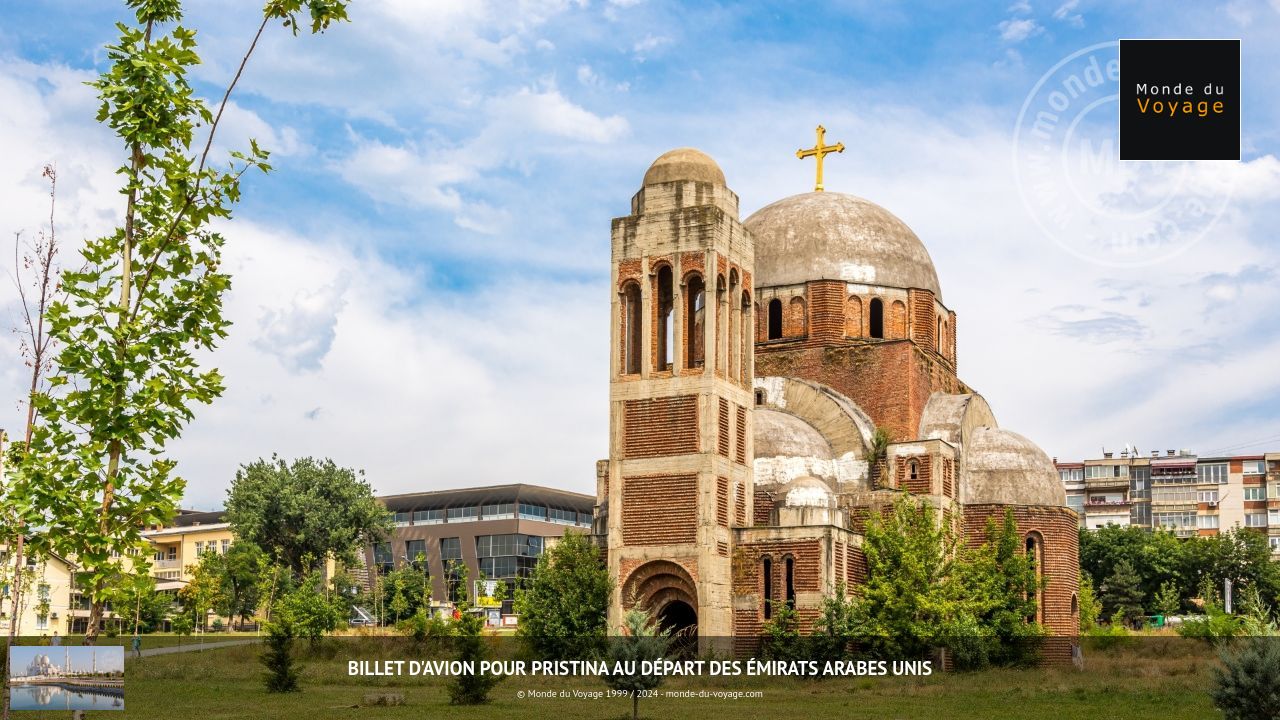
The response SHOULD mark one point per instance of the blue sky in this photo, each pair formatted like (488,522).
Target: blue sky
(82,659)
(420,287)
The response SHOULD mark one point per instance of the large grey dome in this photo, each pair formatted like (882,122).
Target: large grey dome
(1006,468)
(833,236)
(781,434)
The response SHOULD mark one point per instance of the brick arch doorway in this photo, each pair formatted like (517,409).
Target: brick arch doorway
(667,592)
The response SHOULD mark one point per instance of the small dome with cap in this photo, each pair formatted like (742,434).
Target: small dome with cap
(684,165)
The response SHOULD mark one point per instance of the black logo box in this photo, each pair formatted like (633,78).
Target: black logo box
(1157,80)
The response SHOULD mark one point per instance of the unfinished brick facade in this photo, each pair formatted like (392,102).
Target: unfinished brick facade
(741,468)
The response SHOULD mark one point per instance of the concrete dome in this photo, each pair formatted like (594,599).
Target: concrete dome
(684,164)
(781,434)
(806,491)
(833,236)
(1006,468)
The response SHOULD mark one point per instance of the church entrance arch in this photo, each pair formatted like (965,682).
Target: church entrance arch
(667,592)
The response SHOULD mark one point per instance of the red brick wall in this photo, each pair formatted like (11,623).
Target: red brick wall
(722,501)
(740,451)
(748,578)
(826,309)
(660,426)
(924,325)
(649,517)
(723,436)
(891,381)
(763,506)
(1058,527)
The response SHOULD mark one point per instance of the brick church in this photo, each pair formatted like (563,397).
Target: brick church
(751,364)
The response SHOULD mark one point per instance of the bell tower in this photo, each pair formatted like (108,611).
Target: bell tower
(679,468)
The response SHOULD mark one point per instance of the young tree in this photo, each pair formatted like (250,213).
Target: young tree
(310,611)
(470,688)
(782,639)
(35,276)
(1167,600)
(146,302)
(641,641)
(836,627)
(282,671)
(911,593)
(302,512)
(240,581)
(999,587)
(1122,593)
(563,606)
(1246,681)
(1088,603)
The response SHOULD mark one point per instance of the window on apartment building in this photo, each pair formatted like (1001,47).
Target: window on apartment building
(1273,517)
(1255,493)
(1076,502)
(1212,473)
(199,547)
(695,321)
(382,558)
(226,545)
(631,324)
(877,318)
(1274,542)
(1207,521)
(666,320)
(402,518)
(1255,519)
(1207,496)
(562,516)
(1174,520)
(1174,495)
(1254,467)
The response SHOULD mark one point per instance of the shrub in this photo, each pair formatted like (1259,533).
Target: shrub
(282,671)
(1247,685)
(471,688)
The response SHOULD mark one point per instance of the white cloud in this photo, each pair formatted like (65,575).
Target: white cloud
(646,46)
(1066,13)
(300,334)
(1019,29)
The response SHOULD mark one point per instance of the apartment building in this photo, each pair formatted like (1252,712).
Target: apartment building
(1176,490)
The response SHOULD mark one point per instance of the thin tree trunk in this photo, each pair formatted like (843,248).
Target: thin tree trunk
(635,705)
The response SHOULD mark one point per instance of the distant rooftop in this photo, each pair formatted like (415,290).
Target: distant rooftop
(459,497)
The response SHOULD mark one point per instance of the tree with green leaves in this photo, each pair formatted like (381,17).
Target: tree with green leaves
(1122,592)
(781,638)
(836,627)
(563,605)
(240,580)
(999,590)
(911,593)
(470,688)
(302,512)
(282,668)
(1246,681)
(142,609)
(310,610)
(1168,601)
(641,641)
(145,303)
(1087,601)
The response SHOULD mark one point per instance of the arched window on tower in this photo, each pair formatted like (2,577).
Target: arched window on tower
(696,321)
(913,468)
(775,319)
(631,324)
(732,316)
(797,324)
(666,315)
(877,318)
(746,323)
(938,337)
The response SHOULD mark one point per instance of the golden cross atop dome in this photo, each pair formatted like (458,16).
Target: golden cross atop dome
(818,151)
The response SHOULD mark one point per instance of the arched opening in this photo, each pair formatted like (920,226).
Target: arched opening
(677,617)
(1035,556)
(913,469)
(853,316)
(695,321)
(729,318)
(631,324)
(1075,606)
(775,319)
(897,320)
(666,325)
(745,324)
(877,318)
(938,338)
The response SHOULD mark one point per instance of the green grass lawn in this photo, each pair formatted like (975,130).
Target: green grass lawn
(1140,681)
(148,641)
